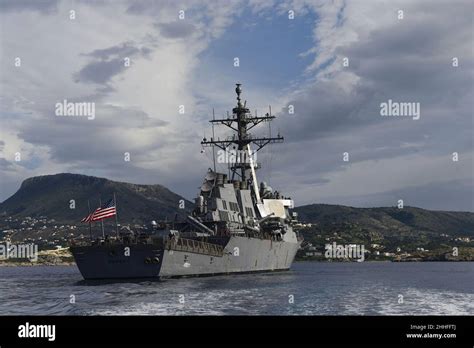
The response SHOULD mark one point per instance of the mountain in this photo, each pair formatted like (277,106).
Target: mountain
(50,196)
(388,228)
(390,220)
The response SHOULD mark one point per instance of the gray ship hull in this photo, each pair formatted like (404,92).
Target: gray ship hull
(239,255)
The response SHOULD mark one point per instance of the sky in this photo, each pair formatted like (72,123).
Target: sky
(332,62)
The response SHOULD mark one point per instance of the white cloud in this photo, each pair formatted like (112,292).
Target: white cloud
(137,106)
(53,49)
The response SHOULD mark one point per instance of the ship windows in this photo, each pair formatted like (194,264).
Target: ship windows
(248,211)
(224,216)
(234,206)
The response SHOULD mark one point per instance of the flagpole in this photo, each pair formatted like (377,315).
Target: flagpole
(116,216)
(102,221)
(90,223)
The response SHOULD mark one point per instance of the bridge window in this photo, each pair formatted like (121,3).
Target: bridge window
(234,206)
(249,211)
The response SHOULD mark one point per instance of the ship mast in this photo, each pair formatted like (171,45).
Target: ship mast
(241,122)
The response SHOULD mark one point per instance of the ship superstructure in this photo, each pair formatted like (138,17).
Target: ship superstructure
(237,225)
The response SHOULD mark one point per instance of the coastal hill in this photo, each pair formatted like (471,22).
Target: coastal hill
(389,231)
(389,220)
(50,196)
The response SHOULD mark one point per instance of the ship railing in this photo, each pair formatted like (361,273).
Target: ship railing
(80,243)
(100,241)
(194,246)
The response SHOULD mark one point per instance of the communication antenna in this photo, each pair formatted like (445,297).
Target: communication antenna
(241,122)
(213,136)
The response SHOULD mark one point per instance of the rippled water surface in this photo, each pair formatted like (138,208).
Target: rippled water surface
(317,288)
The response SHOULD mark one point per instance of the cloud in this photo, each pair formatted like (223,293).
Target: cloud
(109,62)
(125,49)
(136,106)
(101,71)
(453,195)
(44,6)
(337,108)
(176,29)
(5,165)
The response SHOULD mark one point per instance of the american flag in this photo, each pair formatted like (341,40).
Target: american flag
(105,211)
(87,218)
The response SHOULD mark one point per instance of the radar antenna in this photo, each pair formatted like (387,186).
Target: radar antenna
(241,122)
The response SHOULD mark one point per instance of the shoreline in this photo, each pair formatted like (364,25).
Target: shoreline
(34,264)
(72,263)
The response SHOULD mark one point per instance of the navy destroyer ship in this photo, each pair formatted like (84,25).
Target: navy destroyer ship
(238,225)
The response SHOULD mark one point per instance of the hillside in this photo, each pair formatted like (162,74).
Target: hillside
(50,196)
(390,220)
(389,228)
